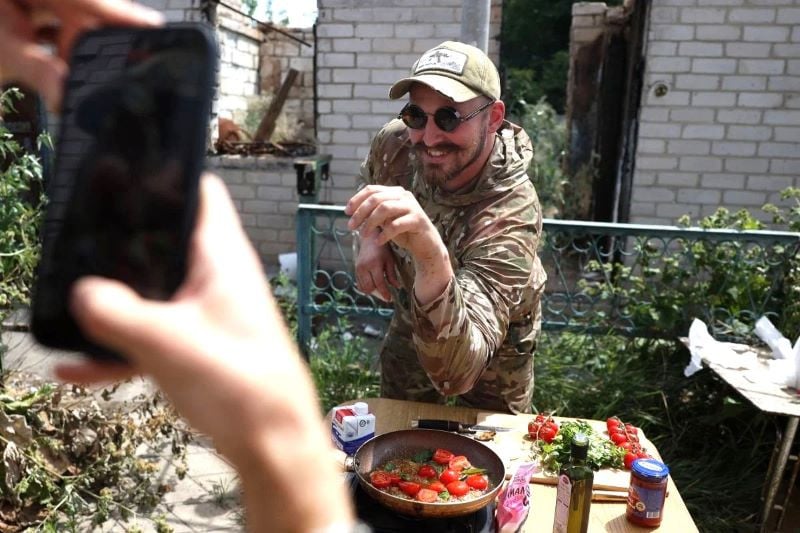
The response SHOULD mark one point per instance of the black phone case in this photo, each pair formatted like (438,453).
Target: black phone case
(51,322)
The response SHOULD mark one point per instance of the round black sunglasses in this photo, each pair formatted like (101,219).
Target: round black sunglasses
(446,119)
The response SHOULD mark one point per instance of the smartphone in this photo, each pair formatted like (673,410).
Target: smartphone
(123,196)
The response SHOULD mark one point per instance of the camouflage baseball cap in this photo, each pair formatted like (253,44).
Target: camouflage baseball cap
(457,70)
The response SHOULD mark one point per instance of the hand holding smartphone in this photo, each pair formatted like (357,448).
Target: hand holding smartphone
(123,197)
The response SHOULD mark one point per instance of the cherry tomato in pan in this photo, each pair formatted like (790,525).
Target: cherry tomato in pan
(426,471)
(427,496)
(477,481)
(448,476)
(380,479)
(459,463)
(457,488)
(442,456)
(436,486)
(409,487)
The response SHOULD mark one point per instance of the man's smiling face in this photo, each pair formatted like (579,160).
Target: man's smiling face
(450,160)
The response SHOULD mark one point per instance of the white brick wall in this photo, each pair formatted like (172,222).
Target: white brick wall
(264,191)
(362,48)
(279,53)
(177,10)
(727,133)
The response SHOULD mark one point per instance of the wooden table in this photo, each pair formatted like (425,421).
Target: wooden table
(392,415)
(769,397)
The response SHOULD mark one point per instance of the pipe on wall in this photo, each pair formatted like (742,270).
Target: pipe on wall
(475,17)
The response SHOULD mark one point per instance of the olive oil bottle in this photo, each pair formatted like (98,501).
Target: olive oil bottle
(574,490)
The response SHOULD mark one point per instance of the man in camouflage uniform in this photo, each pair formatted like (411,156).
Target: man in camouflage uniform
(449,224)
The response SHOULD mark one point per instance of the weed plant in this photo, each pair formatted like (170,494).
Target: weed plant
(69,464)
(342,366)
(21,204)
(66,463)
(716,444)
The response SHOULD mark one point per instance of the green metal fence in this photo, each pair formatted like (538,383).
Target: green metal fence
(610,278)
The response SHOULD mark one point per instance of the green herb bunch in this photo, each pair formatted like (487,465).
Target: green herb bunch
(602,452)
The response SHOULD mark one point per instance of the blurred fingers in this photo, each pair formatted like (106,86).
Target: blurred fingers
(33,67)
(14,20)
(112,314)
(93,372)
(108,12)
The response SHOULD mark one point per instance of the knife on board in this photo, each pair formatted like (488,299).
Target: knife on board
(452,425)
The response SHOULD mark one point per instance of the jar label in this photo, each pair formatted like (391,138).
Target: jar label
(646,503)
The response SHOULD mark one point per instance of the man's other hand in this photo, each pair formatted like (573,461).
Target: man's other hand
(375,269)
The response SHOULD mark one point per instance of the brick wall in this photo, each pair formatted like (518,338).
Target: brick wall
(239,48)
(361,51)
(362,48)
(279,53)
(178,10)
(720,110)
(263,189)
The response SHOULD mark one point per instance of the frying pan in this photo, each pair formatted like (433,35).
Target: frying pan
(406,443)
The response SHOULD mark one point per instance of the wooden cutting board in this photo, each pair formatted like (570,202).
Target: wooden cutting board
(515,447)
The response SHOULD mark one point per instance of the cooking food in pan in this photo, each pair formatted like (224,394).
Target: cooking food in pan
(431,476)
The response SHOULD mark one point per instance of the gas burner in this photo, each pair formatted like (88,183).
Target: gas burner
(383,520)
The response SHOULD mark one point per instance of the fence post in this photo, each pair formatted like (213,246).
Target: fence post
(304,273)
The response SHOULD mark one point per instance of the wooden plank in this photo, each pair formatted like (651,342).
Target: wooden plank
(267,125)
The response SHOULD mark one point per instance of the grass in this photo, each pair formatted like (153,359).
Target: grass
(716,444)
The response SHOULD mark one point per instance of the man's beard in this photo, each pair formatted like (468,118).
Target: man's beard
(439,175)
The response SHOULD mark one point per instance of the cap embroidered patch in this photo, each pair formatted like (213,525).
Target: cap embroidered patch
(442,59)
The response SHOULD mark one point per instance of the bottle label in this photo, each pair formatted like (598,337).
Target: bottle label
(563,497)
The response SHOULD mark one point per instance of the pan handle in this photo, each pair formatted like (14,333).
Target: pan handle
(343,461)
(350,463)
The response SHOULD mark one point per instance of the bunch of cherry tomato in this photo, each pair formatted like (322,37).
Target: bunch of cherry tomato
(543,427)
(626,436)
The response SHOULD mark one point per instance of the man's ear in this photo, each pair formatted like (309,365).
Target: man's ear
(496,115)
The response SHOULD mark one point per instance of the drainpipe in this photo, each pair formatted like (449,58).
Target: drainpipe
(475,15)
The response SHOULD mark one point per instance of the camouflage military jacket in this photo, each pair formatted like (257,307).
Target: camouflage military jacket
(479,335)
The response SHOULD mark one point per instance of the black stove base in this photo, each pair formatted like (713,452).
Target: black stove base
(383,520)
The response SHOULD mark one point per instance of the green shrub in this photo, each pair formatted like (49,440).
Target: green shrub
(717,444)
(20,213)
(342,364)
(342,367)
(549,136)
